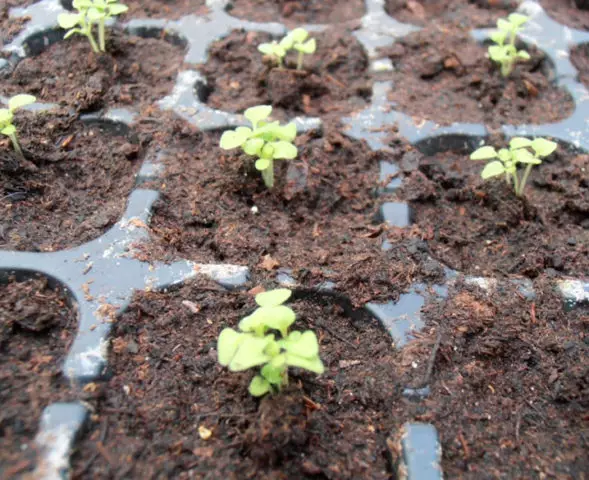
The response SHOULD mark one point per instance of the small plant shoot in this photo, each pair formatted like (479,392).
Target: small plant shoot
(7,116)
(507,160)
(90,13)
(267,141)
(504,52)
(253,346)
(298,39)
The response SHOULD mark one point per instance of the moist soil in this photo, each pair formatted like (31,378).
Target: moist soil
(169,9)
(482,228)
(444,76)
(573,13)
(334,79)
(296,12)
(135,71)
(580,59)
(36,329)
(73,185)
(10,27)
(461,13)
(509,383)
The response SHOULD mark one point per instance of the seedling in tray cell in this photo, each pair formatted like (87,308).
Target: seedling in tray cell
(298,39)
(267,141)
(507,160)
(504,52)
(7,116)
(89,13)
(252,346)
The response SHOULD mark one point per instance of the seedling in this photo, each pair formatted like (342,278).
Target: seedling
(296,39)
(7,115)
(268,141)
(505,52)
(90,12)
(521,151)
(253,347)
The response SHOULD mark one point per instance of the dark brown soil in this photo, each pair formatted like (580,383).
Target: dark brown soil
(462,13)
(567,13)
(482,228)
(170,9)
(10,26)
(36,329)
(580,59)
(298,11)
(73,186)
(135,71)
(318,220)
(509,393)
(445,77)
(334,80)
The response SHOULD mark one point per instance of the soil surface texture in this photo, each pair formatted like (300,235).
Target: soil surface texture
(134,71)
(462,13)
(36,329)
(572,13)
(482,228)
(10,27)
(580,59)
(334,79)
(445,77)
(296,12)
(73,185)
(169,9)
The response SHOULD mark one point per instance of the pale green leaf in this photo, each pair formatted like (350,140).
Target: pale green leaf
(299,35)
(249,354)
(517,19)
(227,345)
(6,116)
(543,147)
(523,155)
(253,146)
(8,130)
(307,47)
(523,55)
(73,31)
(259,386)
(312,364)
(483,153)
(504,155)
(284,150)
(262,164)
(492,169)
(68,20)
(519,142)
(21,100)
(498,37)
(497,53)
(257,114)
(277,318)
(82,4)
(266,48)
(94,15)
(286,43)
(234,138)
(274,374)
(273,298)
(117,9)
(503,24)
(304,345)
(287,132)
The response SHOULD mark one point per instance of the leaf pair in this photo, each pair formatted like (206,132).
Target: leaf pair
(506,54)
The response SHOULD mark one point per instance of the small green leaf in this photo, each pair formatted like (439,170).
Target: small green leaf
(497,53)
(299,35)
(262,163)
(284,150)
(517,19)
(523,55)
(492,169)
(117,9)
(95,15)
(274,374)
(519,142)
(68,20)
(307,47)
(249,354)
(498,37)
(483,153)
(273,298)
(523,155)
(257,114)
(253,146)
(312,364)
(304,345)
(8,130)
(504,25)
(73,31)
(227,345)
(234,138)
(21,100)
(543,147)
(286,43)
(266,48)
(82,4)
(6,116)
(504,155)
(277,318)
(287,133)
(259,386)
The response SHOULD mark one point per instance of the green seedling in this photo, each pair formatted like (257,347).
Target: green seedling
(504,51)
(298,39)
(7,116)
(90,12)
(507,160)
(252,346)
(268,141)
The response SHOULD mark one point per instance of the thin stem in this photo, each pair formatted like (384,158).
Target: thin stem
(300,61)
(16,146)
(91,38)
(101,35)
(268,175)
(522,184)
(516,183)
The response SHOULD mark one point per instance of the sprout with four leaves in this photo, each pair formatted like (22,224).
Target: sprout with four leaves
(91,12)
(268,141)
(506,54)
(507,160)
(7,115)
(297,40)
(253,347)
